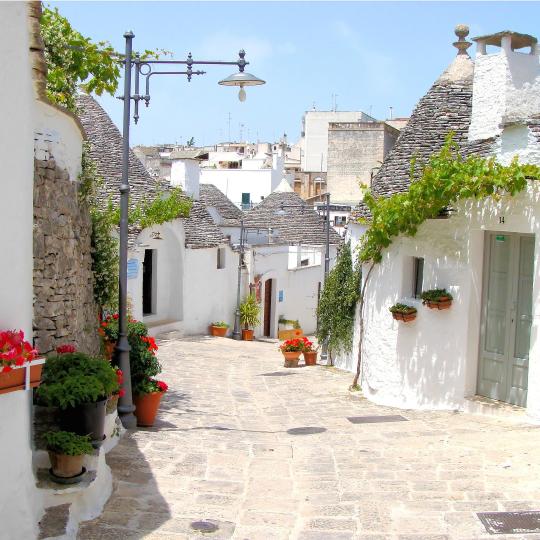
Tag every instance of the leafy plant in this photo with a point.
(435, 295)
(337, 304)
(250, 312)
(68, 443)
(69, 380)
(149, 386)
(220, 324)
(402, 308)
(166, 206)
(143, 361)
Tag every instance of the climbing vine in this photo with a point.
(446, 179)
(338, 302)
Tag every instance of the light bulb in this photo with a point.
(242, 94)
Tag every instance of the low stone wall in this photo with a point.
(64, 307)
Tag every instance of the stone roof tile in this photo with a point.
(211, 196)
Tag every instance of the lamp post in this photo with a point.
(145, 69)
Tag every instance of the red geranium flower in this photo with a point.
(121, 392)
(64, 349)
(163, 387)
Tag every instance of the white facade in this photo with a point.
(435, 361)
(189, 291)
(294, 288)
(315, 140)
(254, 179)
(20, 506)
(186, 173)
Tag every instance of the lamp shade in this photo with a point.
(242, 79)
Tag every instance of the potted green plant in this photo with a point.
(79, 385)
(437, 299)
(403, 312)
(310, 353)
(66, 453)
(249, 316)
(291, 350)
(219, 329)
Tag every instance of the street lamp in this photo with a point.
(146, 69)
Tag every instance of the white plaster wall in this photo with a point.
(299, 285)
(209, 293)
(186, 174)
(234, 182)
(169, 260)
(20, 505)
(432, 362)
(58, 134)
(506, 89)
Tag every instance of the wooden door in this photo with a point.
(267, 307)
(147, 281)
(506, 318)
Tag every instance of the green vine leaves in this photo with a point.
(446, 179)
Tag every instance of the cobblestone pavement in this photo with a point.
(267, 453)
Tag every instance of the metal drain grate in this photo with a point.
(277, 374)
(204, 526)
(306, 430)
(376, 419)
(510, 522)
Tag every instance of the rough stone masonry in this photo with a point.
(64, 307)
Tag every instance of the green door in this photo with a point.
(506, 317)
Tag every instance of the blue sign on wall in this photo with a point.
(280, 296)
(132, 268)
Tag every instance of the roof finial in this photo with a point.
(462, 31)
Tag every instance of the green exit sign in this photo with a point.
(500, 238)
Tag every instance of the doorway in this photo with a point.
(506, 317)
(267, 319)
(149, 288)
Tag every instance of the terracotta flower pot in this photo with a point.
(109, 349)
(247, 335)
(405, 317)
(66, 466)
(218, 331)
(146, 408)
(112, 404)
(291, 358)
(310, 358)
(13, 380)
(442, 303)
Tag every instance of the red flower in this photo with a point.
(120, 376)
(121, 392)
(14, 350)
(151, 342)
(6, 369)
(115, 316)
(163, 387)
(63, 349)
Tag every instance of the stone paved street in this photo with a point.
(232, 446)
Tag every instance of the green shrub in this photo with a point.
(249, 312)
(220, 324)
(434, 295)
(402, 308)
(69, 380)
(68, 443)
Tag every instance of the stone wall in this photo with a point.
(64, 307)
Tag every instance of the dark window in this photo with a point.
(304, 262)
(418, 276)
(246, 201)
(220, 258)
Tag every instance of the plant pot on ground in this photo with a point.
(147, 397)
(310, 354)
(291, 350)
(437, 299)
(16, 356)
(219, 329)
(79, 386)
(403, 312)
(249, 316)
(66, 453)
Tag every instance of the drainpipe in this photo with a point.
(324, 349)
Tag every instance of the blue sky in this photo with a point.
(373, 55)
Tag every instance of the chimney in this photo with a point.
(506, 83)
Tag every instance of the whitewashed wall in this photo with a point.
(432, 362)
(186, 173)
(20, 506)
(299, 285)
